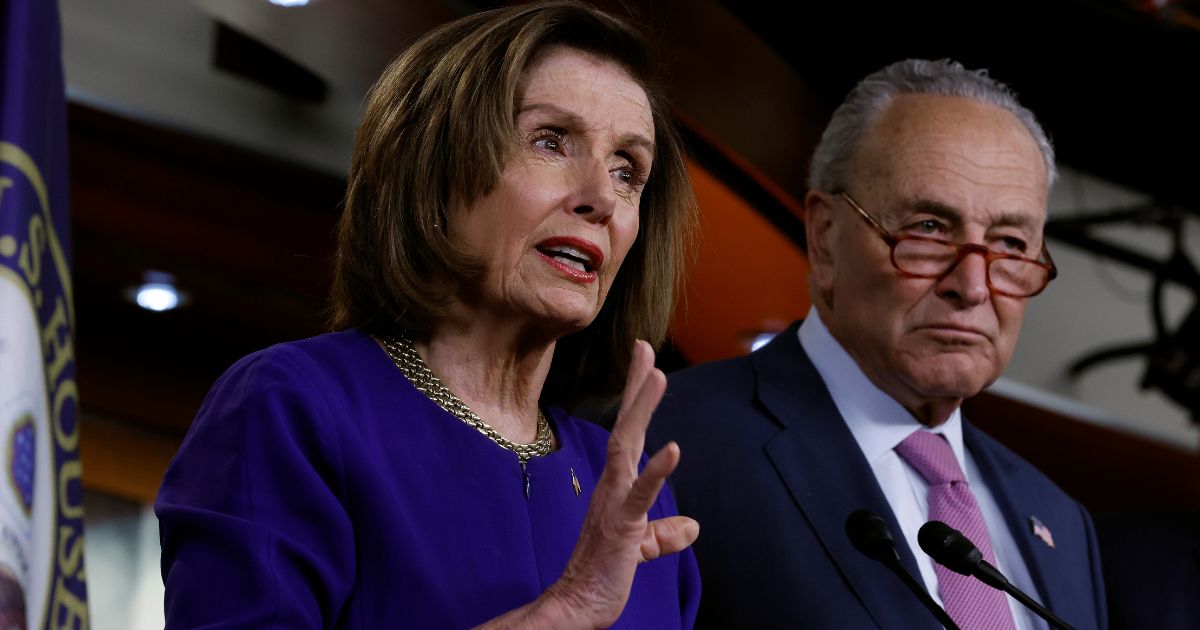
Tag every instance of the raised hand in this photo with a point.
(617, 535)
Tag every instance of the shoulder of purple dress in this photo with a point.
(577, 424)
(336, 350)
(583, 433)
(336, 364)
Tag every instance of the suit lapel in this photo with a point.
(1019, 507)
(827, 475)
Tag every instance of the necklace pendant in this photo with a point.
(574, 482)
(525, 479)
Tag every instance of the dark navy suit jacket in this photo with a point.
(1152, 569)
(771, 472)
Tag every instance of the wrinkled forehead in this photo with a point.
(970, 157)
(589, 85)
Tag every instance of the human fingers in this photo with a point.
(646, 487)
(628, 437)
(668, 535)
(641, 361)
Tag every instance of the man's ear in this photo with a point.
(819, 230)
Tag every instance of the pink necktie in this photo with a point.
(972, 604)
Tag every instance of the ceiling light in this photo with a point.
(157, 292)
(157, 297)
(289, 3)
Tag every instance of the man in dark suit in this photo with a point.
(924, 220)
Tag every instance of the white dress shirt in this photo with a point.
(879, 424)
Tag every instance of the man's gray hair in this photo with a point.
(863, 106)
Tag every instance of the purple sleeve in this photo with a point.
(253, 530)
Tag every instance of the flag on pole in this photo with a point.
(42, 582)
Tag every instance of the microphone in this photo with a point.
(949, 548)
(870, 535)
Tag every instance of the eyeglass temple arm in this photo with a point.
(887, 236)
(1049, 260)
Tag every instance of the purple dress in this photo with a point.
(318, 488)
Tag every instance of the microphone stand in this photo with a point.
(990, 575)
(919, 590)
(869, 533)
(951, 549)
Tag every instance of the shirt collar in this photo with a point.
(876, 420)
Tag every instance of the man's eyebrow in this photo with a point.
(935, 208)
(1016, 219)
(944, 211)
(954, 215)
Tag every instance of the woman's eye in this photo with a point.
(628, 171)
(552, 140)
(629, 176)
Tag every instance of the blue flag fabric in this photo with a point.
(42, 581)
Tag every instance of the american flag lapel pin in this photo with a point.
(1041, 531)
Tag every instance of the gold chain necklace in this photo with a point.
(405, 356)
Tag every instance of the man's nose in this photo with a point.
(967, 280)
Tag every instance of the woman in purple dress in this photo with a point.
(512, 239)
